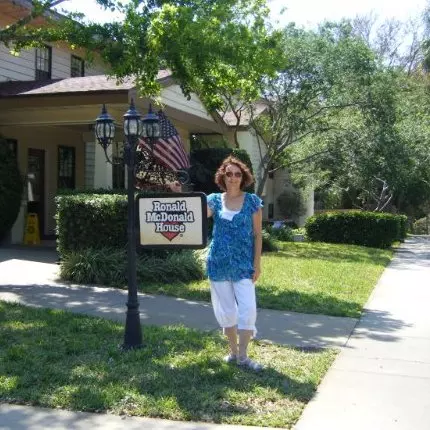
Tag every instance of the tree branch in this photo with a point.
(7, 34)
(310, 157)
(331, 107)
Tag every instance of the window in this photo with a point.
(43, 63)
(66, 167)
(77, 67)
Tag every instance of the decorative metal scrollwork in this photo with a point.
(152, 174)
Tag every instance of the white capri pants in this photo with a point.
(234, 304)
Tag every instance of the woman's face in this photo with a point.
(233, 176)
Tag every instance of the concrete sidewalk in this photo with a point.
(14, 417)
(29, 276)
(381, 380)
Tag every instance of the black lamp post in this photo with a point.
(134, 127)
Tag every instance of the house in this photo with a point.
(49, 99)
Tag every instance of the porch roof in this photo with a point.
(86, 84)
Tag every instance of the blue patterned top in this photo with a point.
(231, 251)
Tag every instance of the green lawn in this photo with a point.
(306, 277)
(57, 359)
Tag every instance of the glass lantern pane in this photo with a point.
(111, 130)
(156, 129)
(132, 127)
(99, 130)
(148, 130)
(139, 127)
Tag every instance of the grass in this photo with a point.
(305, 277)
(57, 359)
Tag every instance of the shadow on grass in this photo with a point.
(55, 359)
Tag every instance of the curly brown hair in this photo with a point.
(247, 178)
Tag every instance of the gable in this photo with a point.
(172, 96)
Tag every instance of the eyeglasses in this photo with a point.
(235, 174)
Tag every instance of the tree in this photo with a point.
(398, 44)
(218, 49)
(323, 74)
(380, 160)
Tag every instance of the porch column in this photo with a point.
(17, 231)
(102, 169)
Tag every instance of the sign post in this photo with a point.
(172, 220)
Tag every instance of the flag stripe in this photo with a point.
(163, 152)
(169, 150)
(175, 147)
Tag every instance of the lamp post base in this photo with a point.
(133, 332)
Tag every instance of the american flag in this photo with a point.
(169, 149)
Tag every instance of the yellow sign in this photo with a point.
(31, 235)
(172, 220)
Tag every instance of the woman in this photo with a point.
(234, 260)
(233, 263)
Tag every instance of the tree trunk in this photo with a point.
(263, 173)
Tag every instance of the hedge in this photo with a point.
(371, 229)
(421, 226)
(99, 221)
(91, 221)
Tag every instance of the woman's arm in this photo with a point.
(257, 221)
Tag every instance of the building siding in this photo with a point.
(173, 96)
(23, 66)
(12, 68)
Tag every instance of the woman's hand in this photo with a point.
(175, 187)
(256, 275)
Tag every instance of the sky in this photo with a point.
(309, 13)
(306, 13)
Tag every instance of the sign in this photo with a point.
(172, 220)
(31, 235)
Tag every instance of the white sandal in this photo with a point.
(248, 363)
(230, 358)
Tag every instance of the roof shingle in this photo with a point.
(86, 84)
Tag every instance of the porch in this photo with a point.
(51, 125)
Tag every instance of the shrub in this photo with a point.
(11, 187)
(421, 226)
(403, 226)
(301, 231)
(269, 244)
(373, 229)
(91, 221)
(291, 203)
(282, 233)
(205, 163)
(108, 266)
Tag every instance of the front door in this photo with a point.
(36, 185)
